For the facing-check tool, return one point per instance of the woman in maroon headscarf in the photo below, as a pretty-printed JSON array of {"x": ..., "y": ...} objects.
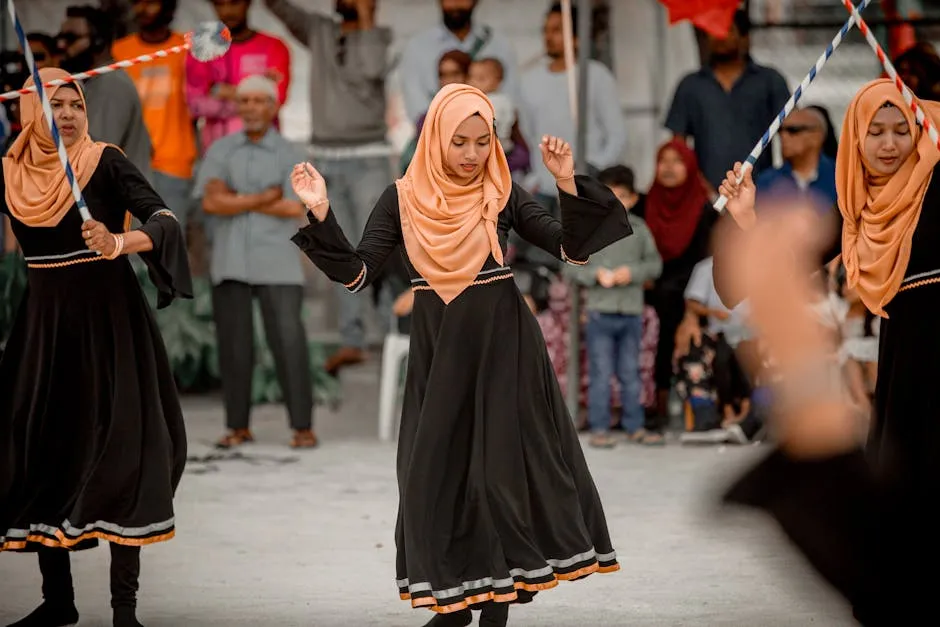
[{"x": 677, "y": 211}]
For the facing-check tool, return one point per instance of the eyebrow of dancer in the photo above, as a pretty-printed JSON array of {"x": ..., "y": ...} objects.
[{"x": 465, "y": 138}]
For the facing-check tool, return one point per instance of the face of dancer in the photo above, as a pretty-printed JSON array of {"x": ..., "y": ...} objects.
[
  {"x": 233, "y": 13},
  {"x": 670, "y": 169},
  {"x": 450, "y": 72},
  {"x": 553, "y": 34},
  {"x": 468, "y": 150},
  {"x": 889, "y": 141},
  {"x": 257, "y": 111},
  {"x": 457, "y": 14},
  {"x": 69, "y": 114},
  {"x": 801, "y": 135}
]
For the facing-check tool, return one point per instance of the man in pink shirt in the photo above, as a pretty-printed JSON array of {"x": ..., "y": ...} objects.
[{"x": 210, "y": 87}]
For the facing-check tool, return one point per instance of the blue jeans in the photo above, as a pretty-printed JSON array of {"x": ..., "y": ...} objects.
[
  {"x": 613, "y": 348},
  {"x": 355, "y": 186}
]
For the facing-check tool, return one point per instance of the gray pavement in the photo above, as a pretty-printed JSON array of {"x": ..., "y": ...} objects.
[{"x": 287, "y": 539}]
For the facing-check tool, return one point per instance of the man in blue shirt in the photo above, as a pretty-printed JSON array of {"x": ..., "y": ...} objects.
[
  {"x": 726, "y": 106},
  {"x": 806, "y": 169}
]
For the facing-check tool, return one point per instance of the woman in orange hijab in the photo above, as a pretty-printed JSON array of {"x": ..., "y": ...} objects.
[
  {"x": 866, "y": 520},
  {"x": 92, "y": 441},
  {"x": 496, "y": 500}
]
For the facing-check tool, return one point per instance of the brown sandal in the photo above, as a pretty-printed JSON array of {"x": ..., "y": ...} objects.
[
  {"x": 235, "y": 437},
  {"x": 304, "y": 438}
]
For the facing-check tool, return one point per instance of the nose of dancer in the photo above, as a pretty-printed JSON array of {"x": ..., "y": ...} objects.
[
  {"x": 469, "y": 149},
  {"x": 68, "y": 110}
]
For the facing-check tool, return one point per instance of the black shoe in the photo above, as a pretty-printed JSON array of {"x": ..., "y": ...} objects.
[
  {"x": 494, "y": 615},
  {"x": 460, "y": 618},
  {"x": 126, "y": 617},
  {"x": 50, "y": 615}
]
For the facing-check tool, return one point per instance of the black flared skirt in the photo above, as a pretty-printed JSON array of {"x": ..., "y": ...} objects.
[
  {"x": 496, "y": 498},
  {"x": 92, "y": 440}
]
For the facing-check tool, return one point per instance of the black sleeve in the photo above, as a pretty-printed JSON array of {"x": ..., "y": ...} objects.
[
  {"x": 168, "y": 262},
  {"x": 4, "y": 210},
  {"x": 858, "y": 536},
  {"x": 590, "y": 221},
  {"x": 327, "y": 247}
]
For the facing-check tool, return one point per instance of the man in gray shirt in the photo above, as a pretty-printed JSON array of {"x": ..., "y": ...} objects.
[
  {"x": 349, "y": 65},
  {"x": 244, "y": 184},
  {"x": 115, "y": 114}
]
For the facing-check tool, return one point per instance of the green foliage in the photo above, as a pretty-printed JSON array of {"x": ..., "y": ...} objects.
[
  {"x": 188, "y": 331},
  {"x": 12, "y": 288}
]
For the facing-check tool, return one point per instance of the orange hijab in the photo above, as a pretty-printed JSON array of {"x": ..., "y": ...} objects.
[
  {"x": 449, "y": 229},
  {"x": 880, "y": 212},
  {"x": 37, "y": 191}
]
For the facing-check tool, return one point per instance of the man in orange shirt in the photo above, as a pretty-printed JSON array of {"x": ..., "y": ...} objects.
[{"x": 162, "y": 88}]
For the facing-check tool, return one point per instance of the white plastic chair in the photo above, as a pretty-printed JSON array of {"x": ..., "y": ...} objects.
[{"x": 394, "y": 354}]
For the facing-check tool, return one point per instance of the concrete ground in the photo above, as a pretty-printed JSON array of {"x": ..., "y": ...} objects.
[{"x": 285, "y": 539}]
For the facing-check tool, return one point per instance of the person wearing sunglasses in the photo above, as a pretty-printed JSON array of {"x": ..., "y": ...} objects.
[
  {"x": 806, "y": 171},
  {"x": 44, "y": 49}
]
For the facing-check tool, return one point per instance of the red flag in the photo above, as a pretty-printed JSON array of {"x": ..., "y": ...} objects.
[{"x": 712, "y": 16}]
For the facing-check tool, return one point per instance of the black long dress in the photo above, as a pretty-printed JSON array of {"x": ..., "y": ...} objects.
[
  {"x": 495, "y": 494},
  {"x": 92, "y": 440},
  {"x": 868, "y": 521}
]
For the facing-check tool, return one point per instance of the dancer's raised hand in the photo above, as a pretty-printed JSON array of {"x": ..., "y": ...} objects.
[
  {"x": 741, "y": 196},
  {"x": 310, "y": 187},
  {"x": 557, "y": 157}
]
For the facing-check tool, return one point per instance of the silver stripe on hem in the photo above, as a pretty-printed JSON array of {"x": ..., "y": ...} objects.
[
  {"x": 487, "y": 582},
  {"x": 918, "y": 277},
  {"x": 72, "y": 532},
  {"x": 62, "y": 256}
]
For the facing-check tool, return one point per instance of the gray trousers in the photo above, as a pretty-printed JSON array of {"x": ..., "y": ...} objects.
[{"x": 232, "y": 304}]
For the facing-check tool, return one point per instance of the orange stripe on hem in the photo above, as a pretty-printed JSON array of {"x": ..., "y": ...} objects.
[
  {"x": 64, "y": 543},
  {"x": 431, "y": 603}
]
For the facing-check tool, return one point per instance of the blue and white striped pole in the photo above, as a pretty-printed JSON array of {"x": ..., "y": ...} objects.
[
  {"x": 47, "y": 110},
  {"x": 791, "y": 103}
]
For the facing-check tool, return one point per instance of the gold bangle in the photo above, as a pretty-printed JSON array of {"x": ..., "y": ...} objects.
[{"x": 118, "y": 247}]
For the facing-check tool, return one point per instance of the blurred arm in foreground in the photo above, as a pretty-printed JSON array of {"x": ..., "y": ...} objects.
[
  {"x": 740, "y": 215},
  {"x": 867, "y": 541}
]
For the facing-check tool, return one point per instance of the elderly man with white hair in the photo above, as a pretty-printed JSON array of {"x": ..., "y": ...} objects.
[{"x": 243, "y": 184}]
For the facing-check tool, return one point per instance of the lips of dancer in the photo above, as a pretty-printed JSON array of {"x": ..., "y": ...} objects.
[
  {"x": 469, "y": 149},
  {"x": 889, "y": 141}
]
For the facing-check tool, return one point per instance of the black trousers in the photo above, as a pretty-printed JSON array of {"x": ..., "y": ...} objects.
[
  {"x": 284, "y": 329},
  {"x": 56, "y": 569}
]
